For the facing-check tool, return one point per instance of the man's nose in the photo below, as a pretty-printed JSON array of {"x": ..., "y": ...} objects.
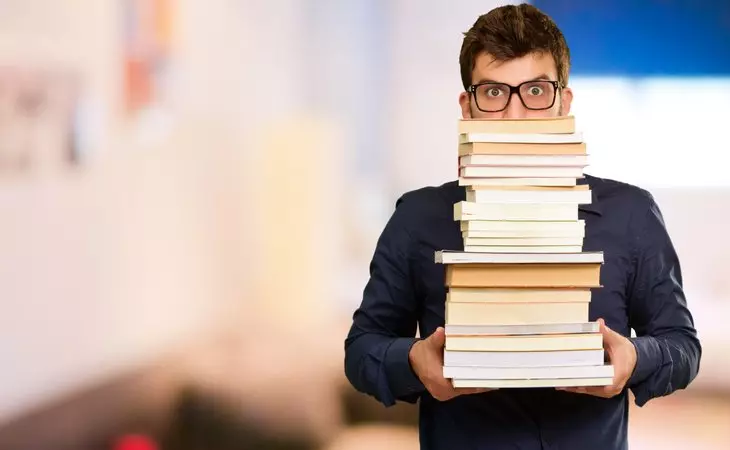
[{"x": 515, "y": 109}]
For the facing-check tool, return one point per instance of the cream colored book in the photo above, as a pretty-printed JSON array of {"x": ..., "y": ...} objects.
[
  {"x": 456, "y": 257},
  {"x": 515, "y": 313},
  {"x": 576, "y": 227},
  {"x": 526, "y": 343},
  {"x": 524, "y": 295},
  {"x": 560, "y": 124},
  {"x": 526, "y": 234}
]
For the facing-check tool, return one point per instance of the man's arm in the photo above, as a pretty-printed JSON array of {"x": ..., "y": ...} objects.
[
  {"x": 668, "y": 350},
  {"x": 384, "y": 326}
]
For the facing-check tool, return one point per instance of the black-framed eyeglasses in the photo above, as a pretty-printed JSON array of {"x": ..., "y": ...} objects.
[{"x": 535, "y": 95}]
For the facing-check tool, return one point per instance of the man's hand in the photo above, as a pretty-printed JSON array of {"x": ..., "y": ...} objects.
[
  {"x": 622, "y": 355},
  {"x": 427, "y": 360}
]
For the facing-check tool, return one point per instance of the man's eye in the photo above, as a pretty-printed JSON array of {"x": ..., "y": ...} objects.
[
  {"x": 536, "y": 90},
  {"x": 494, "y": 92}
]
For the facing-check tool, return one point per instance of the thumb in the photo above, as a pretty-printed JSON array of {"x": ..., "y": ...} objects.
[
  {"x": 438, "y": 338},
  {"x": 609, "y": 336}
]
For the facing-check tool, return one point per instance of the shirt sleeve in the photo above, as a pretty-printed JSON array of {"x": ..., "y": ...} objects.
[
  {"x": 668, "y": 350},
  {"x": 384, "y": 326}
]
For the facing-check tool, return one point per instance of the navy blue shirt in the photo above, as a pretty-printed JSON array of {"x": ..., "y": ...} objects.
[{"x": 642, "y": 289}]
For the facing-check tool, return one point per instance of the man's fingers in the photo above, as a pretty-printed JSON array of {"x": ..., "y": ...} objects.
[{"x": 437, "y": 339}]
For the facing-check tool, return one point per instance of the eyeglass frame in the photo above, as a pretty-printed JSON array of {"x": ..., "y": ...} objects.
[{"x": 557, "y": 85}]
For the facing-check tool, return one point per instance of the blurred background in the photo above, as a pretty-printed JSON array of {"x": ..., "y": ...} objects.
[{"x": 191, "y": 191}]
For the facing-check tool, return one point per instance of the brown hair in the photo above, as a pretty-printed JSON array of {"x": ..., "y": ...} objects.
[{"x": 510, "y": 32}]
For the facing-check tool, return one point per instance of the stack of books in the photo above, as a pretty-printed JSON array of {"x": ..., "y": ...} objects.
[{"x": 518, "y": 292}]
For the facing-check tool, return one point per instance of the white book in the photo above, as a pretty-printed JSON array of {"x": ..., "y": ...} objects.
[
  {"x": 528, "y": 373},
  {"x": 523, "y": 249},
  {"x": 456, "y": 257},
  {"x": 526, "y": 138},
  {"x": 549, "y": 212},
  {"x": 541, "y": 328},
  {"x": 524, "y": 160},
  {"x": 524, "y": 196},
  {"x": 534, "y": 383},
  {"x": 524, "y": 359},
  {"x": 520, "y": 172},
  {"x": 531, "y": 181}
]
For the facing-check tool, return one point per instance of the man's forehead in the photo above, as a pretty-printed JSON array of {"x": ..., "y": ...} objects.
[{"x": 530, "y": 66}]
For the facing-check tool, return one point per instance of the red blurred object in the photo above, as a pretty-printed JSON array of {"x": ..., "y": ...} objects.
[{"x": 135, "y": 442}]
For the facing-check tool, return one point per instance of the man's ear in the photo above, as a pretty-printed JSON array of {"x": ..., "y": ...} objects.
[
  {"x": 464, "y": 102},
  {"x": 566, "y": 98}
]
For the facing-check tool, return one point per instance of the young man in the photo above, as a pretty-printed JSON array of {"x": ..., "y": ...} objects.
[{"x": 514, "y": 63}]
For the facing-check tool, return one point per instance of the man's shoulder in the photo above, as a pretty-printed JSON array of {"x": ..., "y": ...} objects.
[
  {"x": 431, "y": 199},
  {"x": 613, "y": 193}
]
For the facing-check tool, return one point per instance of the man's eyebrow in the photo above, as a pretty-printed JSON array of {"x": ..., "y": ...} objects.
[{"x": 541, "y": 77}]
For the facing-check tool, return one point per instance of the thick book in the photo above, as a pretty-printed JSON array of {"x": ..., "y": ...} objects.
[
  {"x": 515, "y": 313},
  {"x": 571, "y": 275},
  {"x": 561, "y": 124},
  {"x": 526, "y": 343},
  {"x": 528, "y": 373}
]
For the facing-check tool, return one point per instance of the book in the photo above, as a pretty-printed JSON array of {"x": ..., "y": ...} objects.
[
  {"x": 524, "y": 359},
  {"x": 524, "y": 249},
  {"x": 524, "y": 295},
  {"x": 514, "y": 313},
  {"x": 483, "y": 259},
  {"x": 525, "y": 160},
  {"x": 566, "y": 228},
  {"x": 529, "y": 373},
  {"x": 523, "y": 242},
  {"x": 534, "y": 383},
  {"x": 520, "y": 172},
  {"x": 531, "y": 181},
  {"x": 577, "y": 196},
  {"x": 521, "y": 148},
  {"x": 516, "y": 211},
  {"x": 522, "y": 138},
  {"x": 525, "y": 343},
  {"x": 562, "y": 124},
  {"x": 520, "y": 329},
  {"x": 524, "y": 276}
]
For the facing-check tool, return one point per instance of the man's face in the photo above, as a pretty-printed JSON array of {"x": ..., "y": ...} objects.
[{"x": 533, "y": 70}]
